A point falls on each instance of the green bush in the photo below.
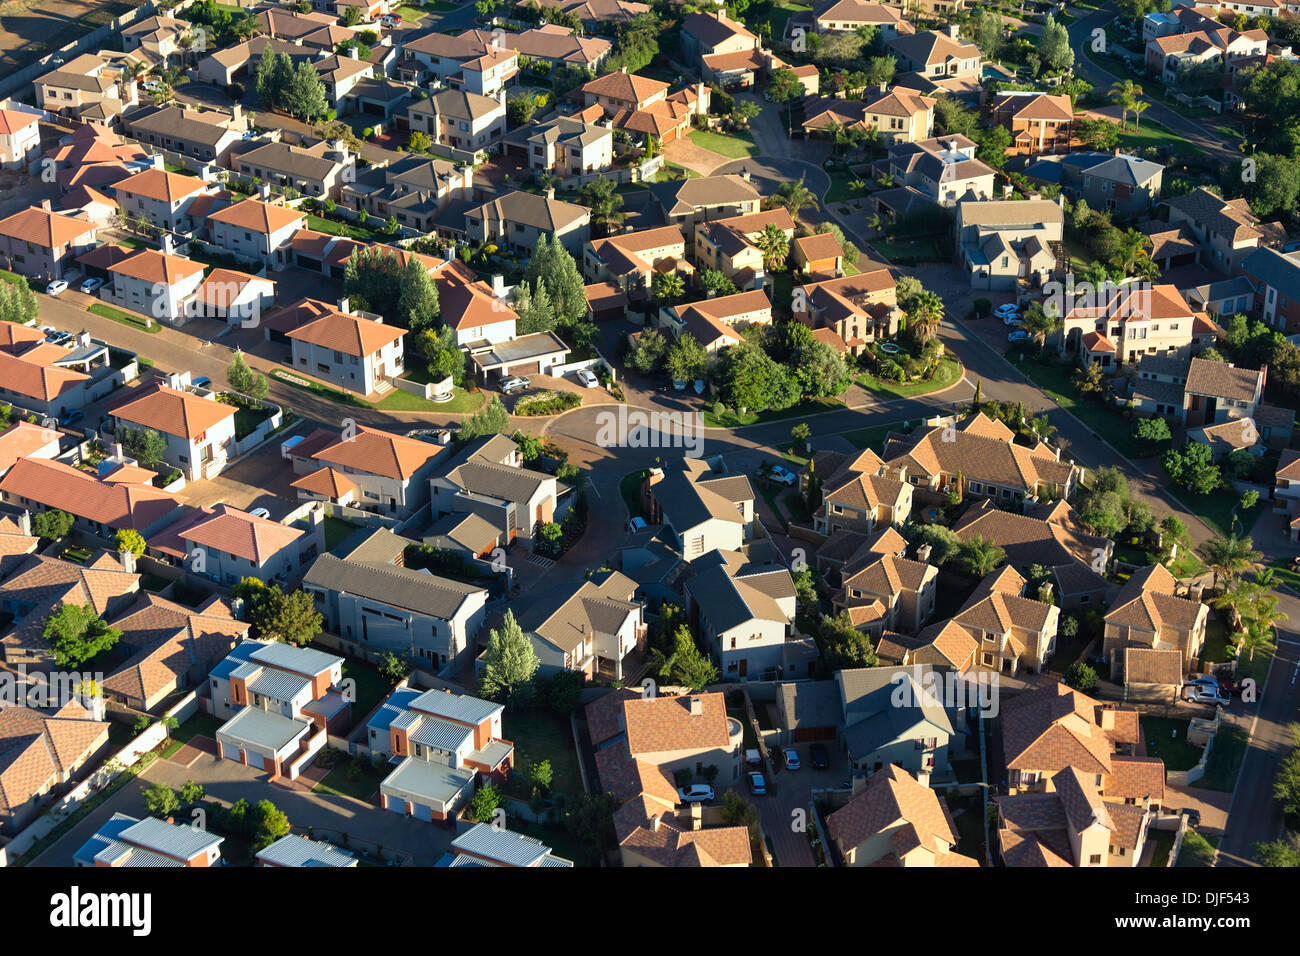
(983, 307)
(547, 403)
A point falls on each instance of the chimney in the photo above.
(168, 244)
(697, 816)
(550, 193)
(923, 778)
(923, 553)
(654, 823)
(1107, 718)
(1045, 592)
(884, 87)
(128, 561)
(46, 205)
(744, 173)
(352, 53)
(345, 306)
(237, 113)
(953, 31)
(1115, 151)
(697, 706)
(25, 523)
(623, 69)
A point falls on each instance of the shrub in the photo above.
(983, 307)
(547, 403)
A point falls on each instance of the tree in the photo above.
(555, 268)
(821, 370)
(351, 16)
(686, 666)
(238, 375)
(794, 196)
(509, 664)
(76, 633)
(1081, 677)
(192, 793)
(1097, 134)
(1193, 468)
(127, 539)
(606, 204)
(269, 822)
(1152, 430)
(1125, 94)
(751, 379)
(846, 646)
(1228, 556)
(925, 314)
(784, 86)
(1054, 46)
(1280, 852)
(984, 29)
(161, 801)
(484, 804)
(1286, 784)
(716, 281)
(1039, 324)
(979, 557)
(668, 286)
(540, 775)
(419, 142)
(1277, 184)
(53, 525)
(775, 246)
(144, 444)
(290, 617)
(305, 96)
(491, 419)
(686, 358)
(649, 352)
(393, 667)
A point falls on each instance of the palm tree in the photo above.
(606, 203)
(1228, 556)
(668, 286)
(1131, 245)
(1039, 325)
(775, 246)
(795, 196)
(1125, 93)
(926, 314)
(981, 556)
(1138, 109)
(1255, 637)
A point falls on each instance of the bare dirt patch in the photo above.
(30, 29)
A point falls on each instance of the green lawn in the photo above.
(907, 250)
(629, 487)
(307, 385)
(337, 782)
(948, 373)
(1163, 841)
(337, 530)
(541, 734)
(682, 171)
(873, 438)
(841, 186)
(200, 725)
(1153, 134)
(1197, 850)
(371, 687)
(350, 230)
(1224, 762)
(1056, 381)
(1215, 649)
(247, 419)
(1215, 509)
(1256, 669)
(731, 145)
(1285, 575)
(1167, 739)
(461, 402)
(126, 318)
(730, 419)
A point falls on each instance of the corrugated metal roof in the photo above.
(504, 846)
(169, 838)
(262, 729)
(462, 707)
(439, 733)
(304, 660)
(293, 850)
(278, 684)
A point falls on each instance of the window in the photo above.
(1094, 860)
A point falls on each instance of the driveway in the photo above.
(787, 820)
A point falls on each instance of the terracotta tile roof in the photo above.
(1044, 106)
(28, 375)
(625, 86)
(605, 714)
(13, 121)
(258, 216)
(173, 412)
(1126, 824)
(1147, 602)
(663, 724)
(379, 452)
(38, 749)
(160, 185)
(893, 796)
(155, 267)
(471, 305)
(1096, 342)
(22, 439)
(241, 534)
(328, 482)
(56, 485)
(1288, 465)
(43, 228)
(1223, 380)
(349, 334)
(223, 287)
(1028, 540)
(1135, 778)
(821, 245)
(1054, 727)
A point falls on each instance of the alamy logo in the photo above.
(634, 428)
(77, 910)
(930, 688)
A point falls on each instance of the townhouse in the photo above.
(887, 593)
(1004, 242)
(1124, 184)
(716, 323)
(206, 135)
(443, 744)
(1275, 290)
(226, 545)
(414, 191)
(936, 56)
(487, 478)
(100, 506)
(163, 200)
(20, 138)
(859, 496)
(686, 202)
(44, 751)
(591, 629)
(743, 612)
(1149, 622)
(895, 820)
(474, 313)
(42, 244)
(199, 430)
(702, 511)
(1039, 122)
(597, 15)
(391, 472)
(1125, 324)
(125, 841)
(516, 220)
(92, 87)
(556, 47)
(723, 50)
(631, 260)
(563, 147)
(320, 170)
(50, 380)
(470, 61)
(161, 39)
(1216, 392)
(850, 311)
(486, 845)
(730, 245)
(256, 231)
(845, 16)
(157, 284)
(819, 256)
(234, 296)
(460, 119)
(943, 169)
(293, 850)
(355, 351)
(24, 440)
(897, 115)
(1227, 231)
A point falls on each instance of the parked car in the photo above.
(1012, 319)
(56, 287)
(1200, 694)
(791, 758)
(753, 757)
(819, 756)
(757, 784)
(1193, 816)
(636, 524)
(1019, 335)
(585, 378)
(783, 476)
(514, 384)
(91, 284)
(47, 329)
(1007, 308)
(202, 382)
(260, 513)
(696, 793)
(73, 416)
(58, 338)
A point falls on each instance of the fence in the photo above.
(626, 174)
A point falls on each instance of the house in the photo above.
(743, 612)
(1275, 286)
(102, 506)
(887, 593)
(702, 511)
(206, 135)
(468, 535)
(895, 820)
(1131, 322)
(24, 440)
(199, 430)
(293, 850)
(42, 244)
(20, 138)
(38, 376)
(340, 74)
(989, 463)
(320, 170)
(857, 496)
(686, 202)
(161, 40)
(1148, 614)
(1050, 536)
(1226, 230)
(845, 16)
(557, 47)
(563, 147)
(125, 841)
(1006, 242)
(474, 313)
(936, 56)
(471, 61)
(623, 92)
(226, 545)
(525, 355)
(632, 259)
(256, 231)
(590, 629)
(156, 284)
(943, 169)
(730, 245)
(723, 50)
(854, 549)
(391, 472)
(487, 477)
(1216, 392)
(235, 297)
(357, 352)
(44, 751)
(639, 749)
(819, 256)
(486, 845)
(414, 190)
(850, 311)
(894, 116)
(1286, 484)
(1127, 185)
(1039, 122)
(895, 717)
(92, 87)
(516, 220)
(443, 744)
(171, 647)
(460, 119)
(663, 119)
(162, 199)
(716, 323)
(374, 602)
(278, 701)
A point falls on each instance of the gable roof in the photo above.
(349, 334)
(116, 505)
(378, 452)
(44, 228)
(258, 216)
(173, 412)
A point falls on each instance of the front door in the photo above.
(744, 666)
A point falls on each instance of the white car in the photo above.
(791, 758)
(514, 384)
(1009, 308)
(1019, 335)
(1012, 319)
(696, 793)
(585, 378)
(782, 476)
(260, 513)
(91, 285)
(757, 784)
(1200, 694)
(56, 287)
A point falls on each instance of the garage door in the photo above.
(422, 812)
(397, 805)
(528, 368)
(230, 752)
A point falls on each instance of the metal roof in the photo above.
(169, 839)
(503, 846)
(262, 729)
(461, 707)
(293, 850)
(278, 684)
(427, 781)
(304, 660)
(439, 733)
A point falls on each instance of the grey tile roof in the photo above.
(397, 587)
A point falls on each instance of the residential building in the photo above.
(743, 612)
(516, 220)
(487, 477)
(893, 116)
(51, 380)
(293, 850)
(632, 259)
(591, 629)
(850, 311)
(356, 351)
(205, 135)
(703, 511)
(1039, 122)
(163, 200)
(414, 191)
(487, 845)
(730, 245)
(42, 244)
(125, 841)
(460, 119)
(556, 46)
(895, 820)
(1124, 184)
(475, 314)
(887, 593)
(1130, 322)
(199, 430)
(235, 297)
(859, 496)
(1275, 290)
(471, 61)
(936, 56)
(159, 40)
(20, 138)
(320, 170)
(24, 440)
(1286, 484)
(563, 147)
(256, 231)
(845, 16)
(92, 87)
(1226, 230)
(44, 752)
(1149, 614)
(716, 323)
(226, 545)
(686, 202)
(1216, 392)
(597, 15)
(391, 472)
(723, 50)
(819, 256)
(943, 169)
(1004, 243)
(101, 506)
(156, 284)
